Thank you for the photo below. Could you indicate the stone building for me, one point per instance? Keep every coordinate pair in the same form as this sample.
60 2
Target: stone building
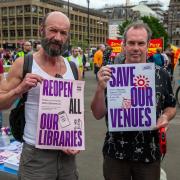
173 22
117 14
20 21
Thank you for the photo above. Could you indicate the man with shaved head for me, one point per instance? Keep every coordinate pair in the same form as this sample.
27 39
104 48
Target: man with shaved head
27 48
47 62
98 58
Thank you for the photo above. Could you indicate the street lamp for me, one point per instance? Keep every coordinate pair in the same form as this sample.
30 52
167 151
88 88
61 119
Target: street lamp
68 42
171 25
126 10
68 8
88 1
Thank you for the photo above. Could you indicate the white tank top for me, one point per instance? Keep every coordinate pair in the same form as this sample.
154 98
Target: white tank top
32 103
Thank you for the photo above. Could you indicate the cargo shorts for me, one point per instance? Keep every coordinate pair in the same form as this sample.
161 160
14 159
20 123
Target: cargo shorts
46 165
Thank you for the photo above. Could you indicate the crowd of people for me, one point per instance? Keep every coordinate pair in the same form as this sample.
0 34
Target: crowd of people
164 59
122 160
103 56
76 54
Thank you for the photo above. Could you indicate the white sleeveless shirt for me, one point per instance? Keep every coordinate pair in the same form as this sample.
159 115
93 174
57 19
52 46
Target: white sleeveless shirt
32 103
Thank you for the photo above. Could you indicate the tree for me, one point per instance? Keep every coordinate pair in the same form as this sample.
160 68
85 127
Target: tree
122 26
75 43
158 31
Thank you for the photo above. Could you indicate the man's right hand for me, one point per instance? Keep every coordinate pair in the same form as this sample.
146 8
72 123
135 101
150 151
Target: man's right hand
30 81
104 74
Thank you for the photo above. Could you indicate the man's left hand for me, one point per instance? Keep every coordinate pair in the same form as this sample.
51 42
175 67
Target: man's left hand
162 122
70 151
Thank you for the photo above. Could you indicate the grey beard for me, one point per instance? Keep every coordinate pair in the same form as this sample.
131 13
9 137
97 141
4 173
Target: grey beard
53 52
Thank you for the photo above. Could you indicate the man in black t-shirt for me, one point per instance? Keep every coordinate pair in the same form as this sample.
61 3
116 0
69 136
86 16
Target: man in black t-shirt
134 155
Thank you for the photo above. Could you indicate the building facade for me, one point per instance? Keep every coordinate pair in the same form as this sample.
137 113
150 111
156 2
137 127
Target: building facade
20 21
174 22
117 14
157 7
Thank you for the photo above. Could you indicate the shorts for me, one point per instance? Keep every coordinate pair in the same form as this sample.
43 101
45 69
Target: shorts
46 165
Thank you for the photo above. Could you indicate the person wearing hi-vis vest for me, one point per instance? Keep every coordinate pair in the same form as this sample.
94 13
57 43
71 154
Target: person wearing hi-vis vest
77 59
1 77
27 47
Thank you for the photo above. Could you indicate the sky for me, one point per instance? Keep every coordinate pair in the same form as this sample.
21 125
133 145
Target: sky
101 3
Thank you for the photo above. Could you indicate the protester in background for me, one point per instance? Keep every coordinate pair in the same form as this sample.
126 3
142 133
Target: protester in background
77 59
166 59
83 56
1 53
107 56
7 58
134 155
170 67
119 58
27 48
38 47
1 70
98 58
48 62
158 59
1 77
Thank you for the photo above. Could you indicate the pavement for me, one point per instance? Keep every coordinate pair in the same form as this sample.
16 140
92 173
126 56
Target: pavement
90 161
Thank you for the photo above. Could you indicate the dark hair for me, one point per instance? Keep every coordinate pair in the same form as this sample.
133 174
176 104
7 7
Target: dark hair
137 25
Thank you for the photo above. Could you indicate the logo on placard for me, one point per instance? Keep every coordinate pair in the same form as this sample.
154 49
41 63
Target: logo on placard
141 81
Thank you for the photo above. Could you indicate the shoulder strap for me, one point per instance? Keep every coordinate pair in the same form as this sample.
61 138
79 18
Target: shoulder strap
74 69
27 67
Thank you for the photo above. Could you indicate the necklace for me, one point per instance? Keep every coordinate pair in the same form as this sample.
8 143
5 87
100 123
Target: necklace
57 75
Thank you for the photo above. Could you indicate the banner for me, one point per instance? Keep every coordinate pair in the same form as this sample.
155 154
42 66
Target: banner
61 115
116 46
176 52
155 44
131 97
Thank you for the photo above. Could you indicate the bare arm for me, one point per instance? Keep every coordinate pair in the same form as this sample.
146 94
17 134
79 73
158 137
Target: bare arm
98 105
168 114
1 77
79 74
14 85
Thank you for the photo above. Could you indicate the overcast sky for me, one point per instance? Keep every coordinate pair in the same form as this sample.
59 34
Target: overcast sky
101 3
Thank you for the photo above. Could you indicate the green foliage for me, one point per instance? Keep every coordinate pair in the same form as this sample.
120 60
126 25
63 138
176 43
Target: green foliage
76 43
122 26
158 31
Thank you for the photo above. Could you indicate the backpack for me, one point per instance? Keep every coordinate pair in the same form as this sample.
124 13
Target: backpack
158 60
17 115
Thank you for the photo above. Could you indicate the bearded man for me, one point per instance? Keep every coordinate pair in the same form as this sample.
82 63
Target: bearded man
47 62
